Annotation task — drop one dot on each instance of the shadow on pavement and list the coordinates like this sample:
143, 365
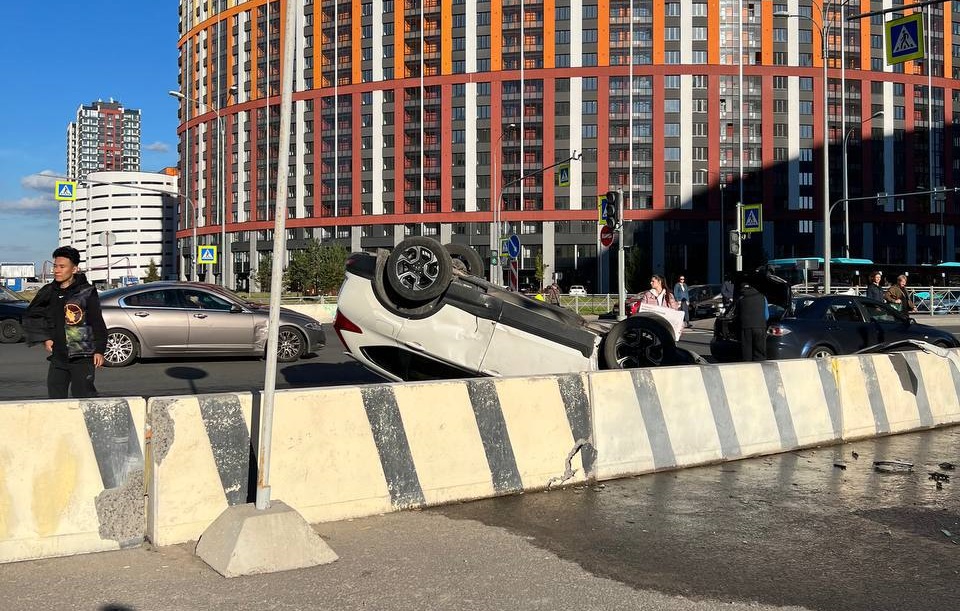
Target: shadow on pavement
328, 374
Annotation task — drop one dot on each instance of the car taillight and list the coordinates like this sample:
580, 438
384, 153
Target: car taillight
341, 323
778, 331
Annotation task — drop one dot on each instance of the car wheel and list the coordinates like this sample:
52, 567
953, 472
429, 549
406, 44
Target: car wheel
820, 352
419, 269
942, 343
466, 259
122, 348
10, 331
291, 345
638, 342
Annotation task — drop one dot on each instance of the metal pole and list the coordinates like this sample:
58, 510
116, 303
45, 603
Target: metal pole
846, 196
739, 236
723, 234
279, 247
826, 153
621, 272
220, 203
843, 126
740, 104
930, 160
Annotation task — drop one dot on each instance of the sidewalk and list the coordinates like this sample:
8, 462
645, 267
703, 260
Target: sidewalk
408, 560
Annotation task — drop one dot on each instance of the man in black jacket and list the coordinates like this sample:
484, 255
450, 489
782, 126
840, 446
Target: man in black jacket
65, 316
752, 315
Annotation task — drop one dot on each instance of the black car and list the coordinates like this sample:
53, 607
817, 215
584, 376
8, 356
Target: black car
12, 309
809, 326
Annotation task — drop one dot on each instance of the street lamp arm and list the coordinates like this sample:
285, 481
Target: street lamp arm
574, 157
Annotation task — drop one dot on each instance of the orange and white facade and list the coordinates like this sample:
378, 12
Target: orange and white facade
411, 118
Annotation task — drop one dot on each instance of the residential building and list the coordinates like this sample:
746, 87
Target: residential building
104, 138
424, 117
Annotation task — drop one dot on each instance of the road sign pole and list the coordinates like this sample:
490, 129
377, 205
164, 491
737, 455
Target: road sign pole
621, 272
739, 237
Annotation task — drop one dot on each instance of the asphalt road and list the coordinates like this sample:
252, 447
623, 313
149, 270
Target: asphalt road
23, 374
23, 370
791, 531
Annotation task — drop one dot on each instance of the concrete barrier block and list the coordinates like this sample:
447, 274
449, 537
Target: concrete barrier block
71, 476
325, 461
939, 401
744, 414
547, 420
199, 455
805, 400
620, 432
445, 442
860, 418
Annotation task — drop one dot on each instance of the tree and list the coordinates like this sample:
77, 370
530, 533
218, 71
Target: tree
152, 273
539, 268
264, 271
317, 268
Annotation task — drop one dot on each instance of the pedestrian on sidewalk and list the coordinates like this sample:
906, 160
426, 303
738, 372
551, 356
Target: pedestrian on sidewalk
682, 294
65, 317
752, 317
896, 295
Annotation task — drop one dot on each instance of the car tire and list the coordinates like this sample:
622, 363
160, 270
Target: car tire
122, 348
638, 341
419, 269
466, 257
819, 352
942, 343
291, 345
10, 331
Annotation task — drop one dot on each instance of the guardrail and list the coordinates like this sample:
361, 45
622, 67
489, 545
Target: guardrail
934, 300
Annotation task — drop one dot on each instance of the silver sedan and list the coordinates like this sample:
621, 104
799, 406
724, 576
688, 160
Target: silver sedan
174, 319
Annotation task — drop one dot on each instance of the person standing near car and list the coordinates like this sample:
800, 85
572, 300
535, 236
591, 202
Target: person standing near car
658, 294
874, 290
752, 317
682, 294
65, 316
896, 295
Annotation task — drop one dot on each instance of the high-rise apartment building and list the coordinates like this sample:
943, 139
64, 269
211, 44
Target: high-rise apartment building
424, 117
104, 138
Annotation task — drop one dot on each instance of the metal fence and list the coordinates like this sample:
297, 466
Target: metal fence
934, 300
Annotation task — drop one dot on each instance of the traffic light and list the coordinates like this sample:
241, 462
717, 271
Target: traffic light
734, 242
612, 213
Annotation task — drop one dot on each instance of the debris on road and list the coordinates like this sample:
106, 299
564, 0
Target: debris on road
946, 466
840, 465
939, 477
892, 466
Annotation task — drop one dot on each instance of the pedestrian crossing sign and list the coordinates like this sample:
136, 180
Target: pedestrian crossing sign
752, 221
563, 175
905, 38
206, 255
65, 190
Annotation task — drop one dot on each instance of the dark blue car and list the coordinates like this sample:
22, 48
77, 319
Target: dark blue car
12, 309
828, 325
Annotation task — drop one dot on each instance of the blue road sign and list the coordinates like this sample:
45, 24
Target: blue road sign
513, 246
752, 218
65, 190
206, 255
905, 38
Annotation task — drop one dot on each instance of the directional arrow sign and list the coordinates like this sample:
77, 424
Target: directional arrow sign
513, 246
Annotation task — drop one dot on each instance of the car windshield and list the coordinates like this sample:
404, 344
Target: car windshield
8, 296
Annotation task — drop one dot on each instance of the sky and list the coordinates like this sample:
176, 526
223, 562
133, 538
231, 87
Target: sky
55, 56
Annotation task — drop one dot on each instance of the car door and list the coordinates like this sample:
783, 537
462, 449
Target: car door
217, 326
847, 326
157, 318
886, 324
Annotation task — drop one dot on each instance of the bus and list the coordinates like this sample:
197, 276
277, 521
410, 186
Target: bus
806, 273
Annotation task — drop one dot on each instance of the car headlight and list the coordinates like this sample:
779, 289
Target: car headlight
313, 326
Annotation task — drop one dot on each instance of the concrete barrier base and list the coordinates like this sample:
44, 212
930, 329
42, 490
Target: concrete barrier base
246, 541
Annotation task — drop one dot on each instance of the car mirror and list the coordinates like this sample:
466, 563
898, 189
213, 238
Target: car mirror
235, 309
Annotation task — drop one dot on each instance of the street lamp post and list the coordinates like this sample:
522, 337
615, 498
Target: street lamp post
846, 184
826, 135
495, 225
221, 211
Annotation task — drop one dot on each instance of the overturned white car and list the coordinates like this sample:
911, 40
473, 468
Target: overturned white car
423, 311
